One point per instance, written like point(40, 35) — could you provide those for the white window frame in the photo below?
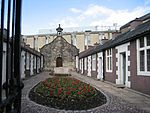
point(27, 60)
point(94, 62)
point(108, 57)
point(145, 48)
point(85, 63)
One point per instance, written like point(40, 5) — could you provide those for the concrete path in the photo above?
point(118, 100)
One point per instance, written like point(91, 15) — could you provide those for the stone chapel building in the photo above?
point(59, 53)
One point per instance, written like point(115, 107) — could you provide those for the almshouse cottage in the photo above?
point(123, 60)
point(31, 61)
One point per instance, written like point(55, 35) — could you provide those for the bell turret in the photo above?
point(59, 31)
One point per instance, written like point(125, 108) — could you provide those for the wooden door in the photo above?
point(59, 62)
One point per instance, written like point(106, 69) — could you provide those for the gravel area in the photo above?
point(114, 104)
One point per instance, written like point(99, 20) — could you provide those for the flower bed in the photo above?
point(67, 93)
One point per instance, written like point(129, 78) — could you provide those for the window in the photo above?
point(36, 42)
point(46, 40)
point(143, 55)
point(101, 36)
point(87, 39)
point(142, 60)
point(93, 62)
point(109, 60)
point(72, 36)
point(148, 59)
point(73, 39)
point(141, 42)
point(148, 40)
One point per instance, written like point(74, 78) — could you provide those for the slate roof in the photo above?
point(23, 45)
point(128, 36)
point(139, 31)
point(30, 50)
point(86, 52)
point(143, 18)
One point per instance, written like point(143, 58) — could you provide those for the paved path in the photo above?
point(134, 97)
point(135, 102)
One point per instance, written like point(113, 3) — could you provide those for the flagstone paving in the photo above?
point(118, 100)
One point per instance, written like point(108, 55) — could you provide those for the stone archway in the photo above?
point(59, 62)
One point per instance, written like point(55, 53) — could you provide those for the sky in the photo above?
point(47, 14)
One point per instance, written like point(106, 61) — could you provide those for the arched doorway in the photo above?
point(59, 62)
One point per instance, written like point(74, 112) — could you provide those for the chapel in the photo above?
point(59, 53)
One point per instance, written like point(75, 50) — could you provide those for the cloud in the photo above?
point(95, 10)
point(96, 15)
point(65, 22)
point(74, 10)
point(121, 16)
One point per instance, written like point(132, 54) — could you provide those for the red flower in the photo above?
point(68, 93)
point(51, 93)
point(72, 89)
point(77, 81)
point(78, 93)
point(59, 91)
point(68, 89)
point(46, 84)
point(85, 90)
point(92, 89)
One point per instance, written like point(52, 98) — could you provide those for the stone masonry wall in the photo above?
point(59, 47)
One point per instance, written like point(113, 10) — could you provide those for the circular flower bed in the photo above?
point(66, 93)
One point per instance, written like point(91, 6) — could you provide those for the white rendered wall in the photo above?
point(89, 66)
point(100, 66)
point(82, 66)
point(34, 62)
point(31, 65)
point(77, 62)
point(42, 61)
point(38, 64)
point(27, 61)
point(123, 49)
